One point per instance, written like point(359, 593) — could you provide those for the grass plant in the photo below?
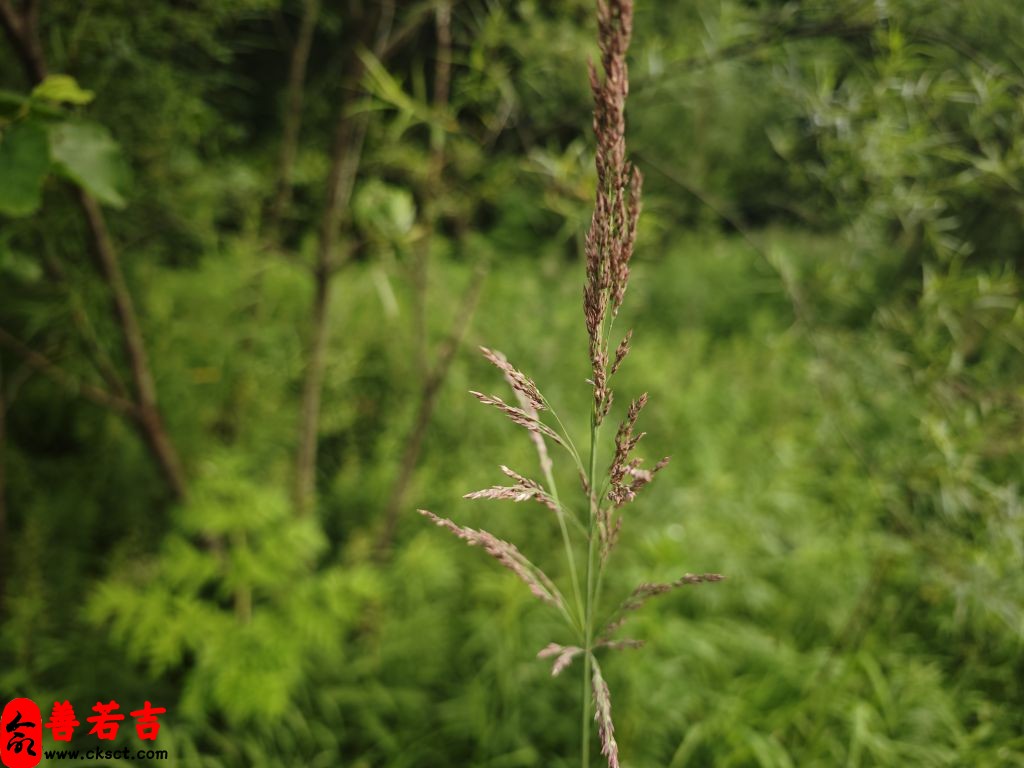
point(606, 489)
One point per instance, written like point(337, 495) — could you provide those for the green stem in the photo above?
point(549, 476)
point(572, 621)
point(597, 592)
point(569, 444)
point(590, 607)
point(586, 711)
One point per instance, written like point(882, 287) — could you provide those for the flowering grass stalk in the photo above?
point(609, 249)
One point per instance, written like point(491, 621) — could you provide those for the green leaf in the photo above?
point(62, 89)
point(387, 211)
point(18, 265)
point(87, 154)
point(24, 160)
point(11, 101)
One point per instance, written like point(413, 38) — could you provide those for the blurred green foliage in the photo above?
point(828, 316)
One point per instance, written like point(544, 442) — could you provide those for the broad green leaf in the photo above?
point(87, 154)
point(24, 160)
point(62, 89)
point(387, 211)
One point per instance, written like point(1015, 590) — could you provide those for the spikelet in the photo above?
point(564, 655)
point(522, 384)
point(621, 351)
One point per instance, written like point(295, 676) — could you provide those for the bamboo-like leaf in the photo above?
point(383, 86)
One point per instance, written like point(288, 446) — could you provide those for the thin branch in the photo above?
point(348, 146)
point(405, 32)
point(431, 191)
point(349, 136)
point(22, 30)
point(11, 20)
point(94, 349)
point(44, 365)
point(838, 27)
point(293, 114)
point(149, 418)
point(801, 313)
point(427, 403)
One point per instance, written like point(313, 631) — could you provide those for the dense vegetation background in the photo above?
point(827, 304)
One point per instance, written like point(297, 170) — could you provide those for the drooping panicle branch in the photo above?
point(565, 654)
point(626, 476)
point(527, 394)
point(508, 555)
point(626, 441)
point(612, 234)
point(603, 715)
point(645, 592)
point(519, 416)
point(522, 384)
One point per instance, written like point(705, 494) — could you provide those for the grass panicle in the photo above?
point(609, 247)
